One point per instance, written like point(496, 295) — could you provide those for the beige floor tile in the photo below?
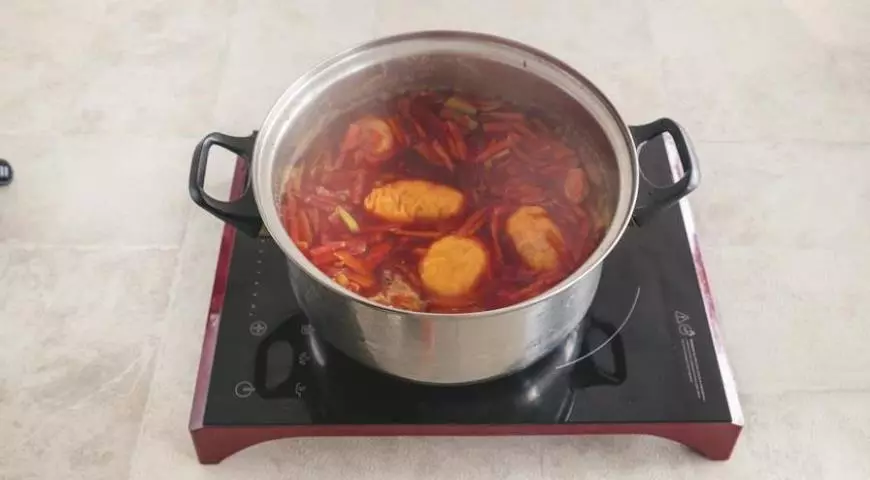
point(399, 458)
point(791, 195)
point(112, 66)
point(155, 68)
point(469, 458)
point(43, 48)
point(93, 190)
point(787, 263)
point(796, 436)
point(77, 348)
point(793, 319)
point(273, 43)
point(757, 70)
point(841, 24)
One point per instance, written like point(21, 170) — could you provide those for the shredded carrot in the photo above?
point(442, 154)
point(305, 234)
point(494, 232)
point(495, 147)
point(351, 262)
point(398, 132)
point(416, 233)
point(522, 129)
point(498, 127)
point(365, 281)
point(461, 149)
point(377, 254)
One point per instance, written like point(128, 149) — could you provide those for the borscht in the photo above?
point(438, 201)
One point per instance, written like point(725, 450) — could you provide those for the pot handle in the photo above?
point(241, 212)
point(617, 352)
point(664, 197)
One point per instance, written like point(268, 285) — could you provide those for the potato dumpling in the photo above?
point(536, 238)
point(409, 201)
point(453, 266)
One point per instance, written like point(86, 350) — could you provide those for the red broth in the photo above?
point(439, 202)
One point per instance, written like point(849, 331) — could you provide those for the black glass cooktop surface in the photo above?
point(269, 368)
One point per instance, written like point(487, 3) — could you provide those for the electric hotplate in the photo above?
point(648, 361)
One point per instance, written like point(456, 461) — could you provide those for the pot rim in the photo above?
point(264, 196)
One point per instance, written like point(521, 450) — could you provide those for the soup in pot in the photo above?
point(433, 201)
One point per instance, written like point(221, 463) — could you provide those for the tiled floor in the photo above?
point(106, 267)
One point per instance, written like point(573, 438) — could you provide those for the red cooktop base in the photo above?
point(713, 440)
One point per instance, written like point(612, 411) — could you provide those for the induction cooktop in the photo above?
point(649, 359)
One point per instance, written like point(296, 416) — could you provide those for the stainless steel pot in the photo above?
point(428, 347)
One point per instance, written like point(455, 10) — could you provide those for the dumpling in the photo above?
point(409, 201)
point(536, 238)
point(453, 266)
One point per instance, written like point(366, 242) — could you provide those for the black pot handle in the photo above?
point(241, 212)
point(601, 376)
point(664, 197)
